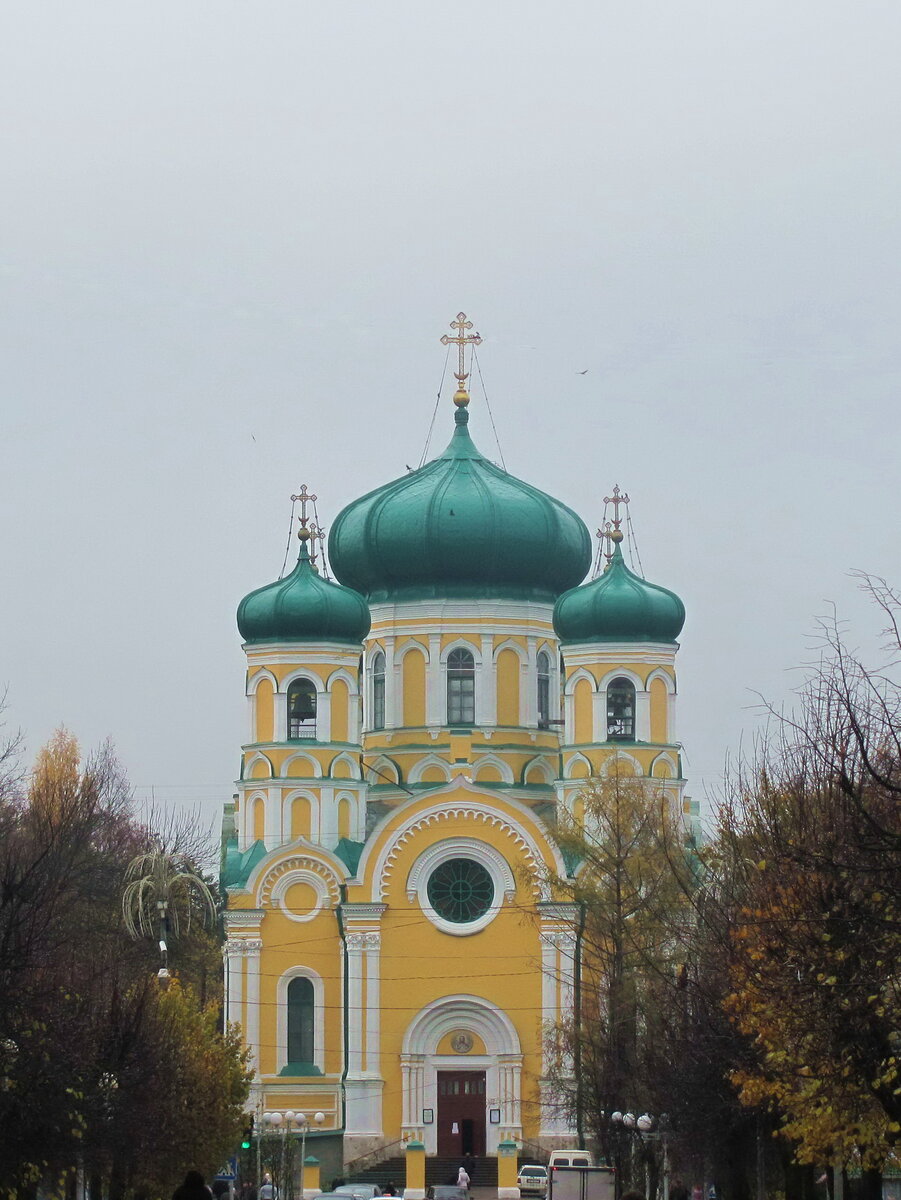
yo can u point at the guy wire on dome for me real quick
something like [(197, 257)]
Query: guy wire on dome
[(610, 532), (461, 340)]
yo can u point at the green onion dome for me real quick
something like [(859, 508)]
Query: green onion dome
[(618, 606), (459, 527), (303, 607)]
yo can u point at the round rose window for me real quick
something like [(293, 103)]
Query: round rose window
[(460, 890)]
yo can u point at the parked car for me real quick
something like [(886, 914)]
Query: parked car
[(359, 1191), (532, 1179), (446, 1191)]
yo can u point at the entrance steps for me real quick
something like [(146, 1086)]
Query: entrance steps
[(437, 1170)]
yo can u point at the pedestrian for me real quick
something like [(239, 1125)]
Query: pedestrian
[(268, 1191), (678, 1191), (470, 1164), (463, 1179), (193, 1188), (390, 1189), (697, 1192)]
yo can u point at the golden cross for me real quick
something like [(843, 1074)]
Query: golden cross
[(461, 325), (616, 500), (305, 498)]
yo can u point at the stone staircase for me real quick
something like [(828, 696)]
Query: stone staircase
[(437, 1170)]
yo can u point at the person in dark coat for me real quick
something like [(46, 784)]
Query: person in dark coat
[(193, 1188)]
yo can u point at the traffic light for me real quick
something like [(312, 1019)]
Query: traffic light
[(247, 1139)]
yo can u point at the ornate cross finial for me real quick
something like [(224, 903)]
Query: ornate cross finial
[(304, 498), (605, 537), (461, 325), (616, 500), (317, 534)]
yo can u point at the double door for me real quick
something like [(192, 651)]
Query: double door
[(461, 1113)]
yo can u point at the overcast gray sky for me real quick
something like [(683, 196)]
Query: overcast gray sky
[(233, 233)]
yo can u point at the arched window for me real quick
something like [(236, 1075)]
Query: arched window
[(378, 691), (300, 1021), (620, 711), (301, 709), (544, 691), (461, 688)]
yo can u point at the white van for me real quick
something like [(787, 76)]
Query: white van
[(570, 1158)]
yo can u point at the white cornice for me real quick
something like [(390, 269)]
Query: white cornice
[(261, 653), (647, 652), (436, 611)]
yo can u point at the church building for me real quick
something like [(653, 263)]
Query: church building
[(395, 953)]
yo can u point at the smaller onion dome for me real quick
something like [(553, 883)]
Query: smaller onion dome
[(303, 607), (618, 606)]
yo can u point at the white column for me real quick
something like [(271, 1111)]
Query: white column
[(234, 982), (272, 828), (549, 1014), (642, 716), (566, 944), (280, 717), (355, 1003), (251, 718), (372, 942), (599, 717), (406, 1093), (252, 948), (324, 818), (486, 685), (569, 719), (394, 711), (671, 718), (528, 686), (434, 701), (323, 717)]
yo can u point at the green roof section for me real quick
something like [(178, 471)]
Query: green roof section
[(618, 606), (459, 527), (303, 607), (349, 852), (236, 867)]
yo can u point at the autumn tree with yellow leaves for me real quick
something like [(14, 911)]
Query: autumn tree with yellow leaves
[(101, 1072)]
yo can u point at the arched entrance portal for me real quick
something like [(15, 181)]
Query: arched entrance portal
[(465, 1101)]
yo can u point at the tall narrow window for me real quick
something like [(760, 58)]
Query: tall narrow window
[(544, 691), (461, 688), (378, 691), (301, 709), (621, 711), (300, 1021)]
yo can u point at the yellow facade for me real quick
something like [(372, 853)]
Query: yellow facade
[(340, 833)]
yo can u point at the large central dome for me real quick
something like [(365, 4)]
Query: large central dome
[(459, 527)]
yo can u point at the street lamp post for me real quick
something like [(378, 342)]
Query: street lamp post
[(644, 1128), (283, 1122), (318, 1118)]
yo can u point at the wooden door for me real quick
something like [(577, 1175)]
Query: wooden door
[(461, 1113)]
